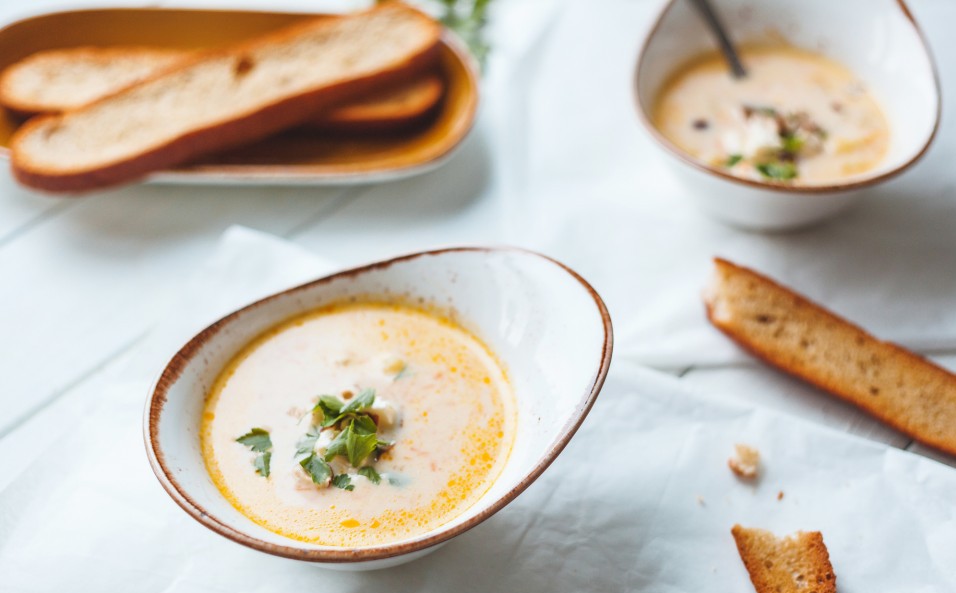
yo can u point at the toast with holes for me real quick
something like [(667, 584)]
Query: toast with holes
[(225, 98), (799, 563), (59, 80), (802, 338)]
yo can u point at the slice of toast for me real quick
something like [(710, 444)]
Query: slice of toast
[(792, 333), (224, 99), (394, 109), (60, 80), (63, 79), (799, 563)]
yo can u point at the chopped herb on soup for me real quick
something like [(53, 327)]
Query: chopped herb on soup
[(378, 423), (797, 118)]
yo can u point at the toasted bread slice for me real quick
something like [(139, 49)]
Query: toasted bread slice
[(790, 332), (225, 98), (393, 109), (59, 80), (799, 563), (63, 79)]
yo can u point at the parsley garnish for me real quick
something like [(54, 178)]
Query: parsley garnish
[(370, 473), (356, 440), (791, 143), (318, 469), (306, 444), (733, 160), (335, 411), (777, 171), (343, 481), (258, 440)]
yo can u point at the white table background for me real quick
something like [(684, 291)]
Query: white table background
[(82, 280)]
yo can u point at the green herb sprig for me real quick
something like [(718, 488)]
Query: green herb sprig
[(468, 19), (778, 171), (356, 440), (259, 441)]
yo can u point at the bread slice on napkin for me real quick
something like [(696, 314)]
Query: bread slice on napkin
[(799, 563), (224, 98), (802, 338)]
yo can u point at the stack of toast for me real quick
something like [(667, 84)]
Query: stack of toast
[(102, 116)]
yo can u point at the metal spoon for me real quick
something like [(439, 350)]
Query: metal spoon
[(730, 54)]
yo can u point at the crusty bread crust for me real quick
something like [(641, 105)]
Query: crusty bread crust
[(390, 110), (267, 120), (794, 334), (796, 564), (107, 70)]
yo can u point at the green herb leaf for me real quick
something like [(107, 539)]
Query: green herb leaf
[(343, 481), (360, 402), (306, 444), (468, 18), (364, 425), (370, 473), (261, 463), (331, 407), (318, 469), (791, 143), (358, 446), (256, 439), (733, 160), (338, 445), (778, 171)]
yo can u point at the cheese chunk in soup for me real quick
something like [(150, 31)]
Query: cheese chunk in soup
[(797, 118), (443, 416)]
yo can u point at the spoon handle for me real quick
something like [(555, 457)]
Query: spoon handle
[(730, 54)]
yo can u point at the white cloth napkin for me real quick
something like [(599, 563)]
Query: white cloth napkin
[(591, 188), (640, 500)]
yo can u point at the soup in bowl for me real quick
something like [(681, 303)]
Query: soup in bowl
[(362, 419), (838, 97)]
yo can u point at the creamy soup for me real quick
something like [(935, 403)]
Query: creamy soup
[(796, 118), (430, 428)]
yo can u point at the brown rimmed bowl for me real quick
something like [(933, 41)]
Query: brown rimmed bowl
[(878, 40), (545, 323)]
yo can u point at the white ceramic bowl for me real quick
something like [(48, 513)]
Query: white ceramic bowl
[(549, 328), (877, 39)]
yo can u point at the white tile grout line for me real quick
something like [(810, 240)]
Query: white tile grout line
[(685, 371), (24, 417), (35, 221), (335, 204)]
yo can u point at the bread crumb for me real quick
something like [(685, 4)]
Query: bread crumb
[(701, 501), (746, 463), (780, 495)]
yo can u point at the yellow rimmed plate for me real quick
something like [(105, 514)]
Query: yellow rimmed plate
[(294, 157)]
